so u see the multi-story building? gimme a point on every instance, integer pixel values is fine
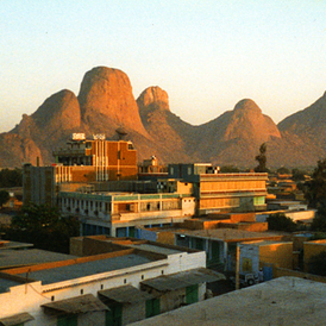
(97, 159)
(222, 192)
(96, 181)
(83, 161)
(117, 213)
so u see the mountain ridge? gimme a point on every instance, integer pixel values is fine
(105, 102)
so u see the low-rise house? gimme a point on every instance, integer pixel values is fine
(220, 244)
(265, 255)
(125, 280)
(310, 249)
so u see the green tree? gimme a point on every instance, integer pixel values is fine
(261, 159)
(280, 222)
(298, 175)
(44, 227)
(11, 178)
(317, 264)
(4, 197)
(315, 189)
(319, 221)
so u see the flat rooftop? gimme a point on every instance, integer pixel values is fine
(64, 273)
(5, 244)
(265, 242)
(287, 301)
(15, 258)
(157, 249)
(5, 285)
(229, 235)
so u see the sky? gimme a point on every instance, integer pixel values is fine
(207, 55)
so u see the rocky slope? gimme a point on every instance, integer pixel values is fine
(308, 124)
(105, 102)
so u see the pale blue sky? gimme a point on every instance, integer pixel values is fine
(207, 55)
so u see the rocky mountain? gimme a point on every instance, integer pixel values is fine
(308, 124)
(105, 102)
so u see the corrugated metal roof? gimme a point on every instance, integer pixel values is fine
(126, 294)
(16, 319)
(183, 279)
(76, 305)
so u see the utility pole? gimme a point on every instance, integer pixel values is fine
(237, 267)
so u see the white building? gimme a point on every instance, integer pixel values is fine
(127, 280)
(117, 213)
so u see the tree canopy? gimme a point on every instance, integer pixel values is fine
(11, 178)
(261, 159)
(315, 189)
(4, 197)
(319, 221)
(280, 222)
(298, 175)
(44, 227)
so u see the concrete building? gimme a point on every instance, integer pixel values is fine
(151, 166)
(98, 159)
(222, 192)
(125, 280)
(284, 301)
(82, 161)
(301, 216)
(265, 255)
(310, 249)
(95, 180)
(117, 214)
(219, 244)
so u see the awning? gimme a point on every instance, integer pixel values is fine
(181, 280)
(16, 319)
(126, 294)
(76, 305)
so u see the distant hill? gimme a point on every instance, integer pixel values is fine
(106, 102)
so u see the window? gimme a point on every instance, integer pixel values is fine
(121, 232)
